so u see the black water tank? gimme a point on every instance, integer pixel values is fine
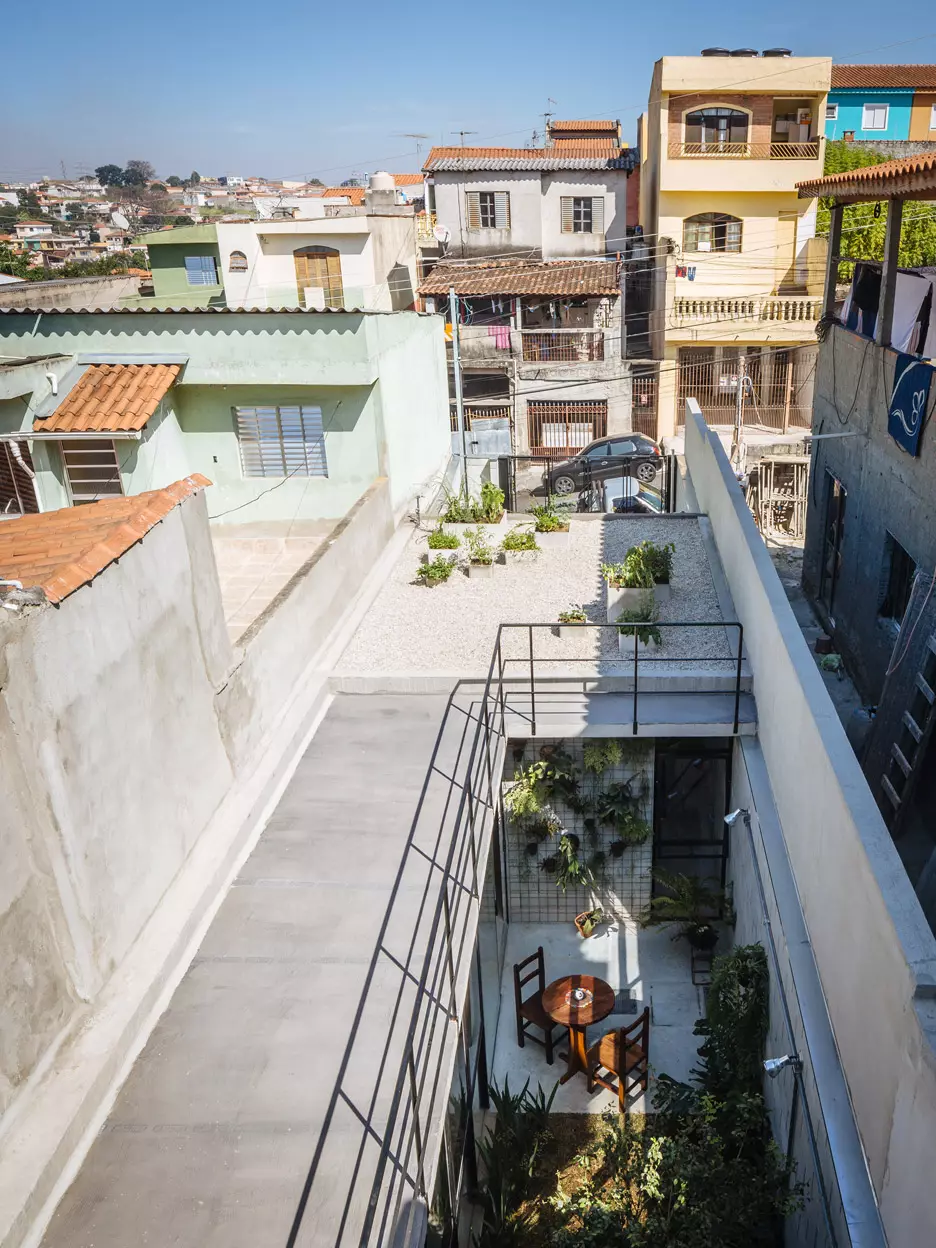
(776, 52)
(715, 52)
(743, 52)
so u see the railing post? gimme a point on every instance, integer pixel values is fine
(636, 643)
(737, 693)
(532, 683)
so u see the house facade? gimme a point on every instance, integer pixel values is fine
(737, 267)
(884, 103)
(295, 413)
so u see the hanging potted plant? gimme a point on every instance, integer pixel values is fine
(588, 920)
(646, 566)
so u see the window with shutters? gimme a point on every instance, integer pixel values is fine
(92, 469)
(711, 231)
(201, 271)
(582, 214)
(874, 117)
(488, 210)
(281, 441)
(237, 262)
(17, 492)
(319, 268)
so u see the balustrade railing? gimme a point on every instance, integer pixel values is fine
(562, 346)
(775, 308)
(746, 151)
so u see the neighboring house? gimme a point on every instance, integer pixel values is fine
(737, 275)
(293, 413)
(540, 348)
(32, 229)
(888, 103)
(547, 202)
(588, 132)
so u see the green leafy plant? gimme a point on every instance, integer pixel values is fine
(736, 1022)
(631, 830)
(438, 539)
(598, 756)
(459, 509)
(548, 520)
(614, 803)
(571, 871)
(689, 903)
(589, 920)
(479, 549)
(436, 572)
(644, 566)
(574, 615)
(492, 503)
(519, 539)
(508, 1154)
(543, 828)
(641, 621)
(537, 783)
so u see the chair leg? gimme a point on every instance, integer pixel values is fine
(520, 1040)
(549, 1047)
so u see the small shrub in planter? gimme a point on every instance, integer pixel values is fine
(436, 572)
(480, 553)
(459, 509)
(645, 567)
(639, 621)
(491, 507)
(551, 527)
(438, 539)
(688, 905)
(588, 921)
(519, 540)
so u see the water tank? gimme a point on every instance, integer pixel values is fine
(715, 52)
(776, 52)
(382, 182)
(743, 52)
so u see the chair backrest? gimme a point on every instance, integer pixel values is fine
(533, 967)
(638, 1032)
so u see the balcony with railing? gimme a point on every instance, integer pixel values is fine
(802, 310)
(746, 151)
(562, 346)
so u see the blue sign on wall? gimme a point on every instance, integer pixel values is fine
(908, 403)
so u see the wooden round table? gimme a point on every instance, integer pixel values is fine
(562, 1007)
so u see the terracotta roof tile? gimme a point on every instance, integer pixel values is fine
(356, 193)
(111, 398)
(596, 124)
(894, 179)
(531, 277)
(59, 551)
(919, 77)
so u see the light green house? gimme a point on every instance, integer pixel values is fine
(291, 414)
(186, 267)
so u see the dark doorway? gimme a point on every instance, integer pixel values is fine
(691, 787)
(832, 536)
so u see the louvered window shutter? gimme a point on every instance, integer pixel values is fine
(281, 441)
(598, 214)
(566, 203)
(501, 210)
(474, 210)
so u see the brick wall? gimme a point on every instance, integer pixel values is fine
(760, 107)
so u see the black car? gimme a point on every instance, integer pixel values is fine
(633, 455)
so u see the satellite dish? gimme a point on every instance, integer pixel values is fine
(120, 220)
(442, 233)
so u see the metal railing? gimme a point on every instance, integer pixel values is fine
(746, 151)
(495, 410)
(770, 309)
(562, 346)
(372, 1165)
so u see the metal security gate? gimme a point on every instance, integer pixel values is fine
(17, 493)
(559, 429)
(644, 392)
(776, 384)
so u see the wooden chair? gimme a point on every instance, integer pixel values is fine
(625, 1054)
(530, 1010)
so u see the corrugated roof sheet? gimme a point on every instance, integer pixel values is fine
(895, 179)
(119, 310)
(557, 277)
(59, 551)
(110, 398)
(467, 159)
(920, 77)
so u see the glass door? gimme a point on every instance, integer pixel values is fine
(691, 785)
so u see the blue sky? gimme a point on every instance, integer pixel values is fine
(291, 89)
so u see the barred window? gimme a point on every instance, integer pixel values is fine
(281, 441)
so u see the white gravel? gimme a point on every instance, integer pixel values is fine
(452, 627)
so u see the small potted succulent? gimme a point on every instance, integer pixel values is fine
(639, 622)
(480, 554)
(436, 572)
(440, 539)
(575, 614)
(588, 921)
(552, 528)
(645, 567)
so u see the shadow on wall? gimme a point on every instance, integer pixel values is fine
(402, 295)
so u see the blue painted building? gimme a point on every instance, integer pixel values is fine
(883, 102)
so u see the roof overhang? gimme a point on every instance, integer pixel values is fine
(33, 435)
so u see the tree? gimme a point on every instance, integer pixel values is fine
(29, 202)
(172, 180)
(157, 188)
(315, 182)
(12, 264)
(194, 178)
(109, 175)
(182, 221)
(138, 173)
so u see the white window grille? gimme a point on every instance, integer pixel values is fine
(281, 441)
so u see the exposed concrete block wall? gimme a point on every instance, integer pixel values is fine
(137, 751)
(874, 950)
(71, 292)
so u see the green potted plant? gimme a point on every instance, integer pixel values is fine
(440, 539)
(599, 755)
(459, 509)
(552, 528)
(480, 554)
(690, 904)
(588, 920)
(519, 541)
(646, 566)
(631, 831)
(571, 871)
(490, 510)
(436, 572)
(639, 622)
(573, 615)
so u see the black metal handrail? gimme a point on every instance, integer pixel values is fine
(456, 870)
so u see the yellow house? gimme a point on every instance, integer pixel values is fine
(738, 269)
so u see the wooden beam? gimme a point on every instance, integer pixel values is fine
(885, 316)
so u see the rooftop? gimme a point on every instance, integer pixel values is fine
(59, 551)
(525, 277)
(913, 177)
(466, 159)
(921, 77)
(110, 397)
(593, 124)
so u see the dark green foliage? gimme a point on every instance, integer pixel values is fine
(436, 572)
(641, 620)
(644, 566)
(519, 539)
(689, 902)
(508, 1154)
(735, 1026)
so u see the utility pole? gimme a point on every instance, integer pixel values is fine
(739, 413)
(459, 402)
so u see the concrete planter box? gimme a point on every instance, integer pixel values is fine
(568, 632)
(626, 646)
(429, 556)
(627, 599)
(483, 570)
(460, 529)
(551, 541)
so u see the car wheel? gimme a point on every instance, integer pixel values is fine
(564, 485)
(646, 471)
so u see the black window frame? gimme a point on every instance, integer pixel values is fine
(897, 578)
(710, 133)
(725, 233)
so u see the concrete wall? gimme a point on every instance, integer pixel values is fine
(70, 292)
(874, 950)
(922, 120)
(135, 745)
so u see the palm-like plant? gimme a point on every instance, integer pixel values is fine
(691, 903)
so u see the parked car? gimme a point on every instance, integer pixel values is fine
(635, 455)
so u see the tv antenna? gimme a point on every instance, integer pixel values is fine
(409, 134)
(546, 116)
(462, 133)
